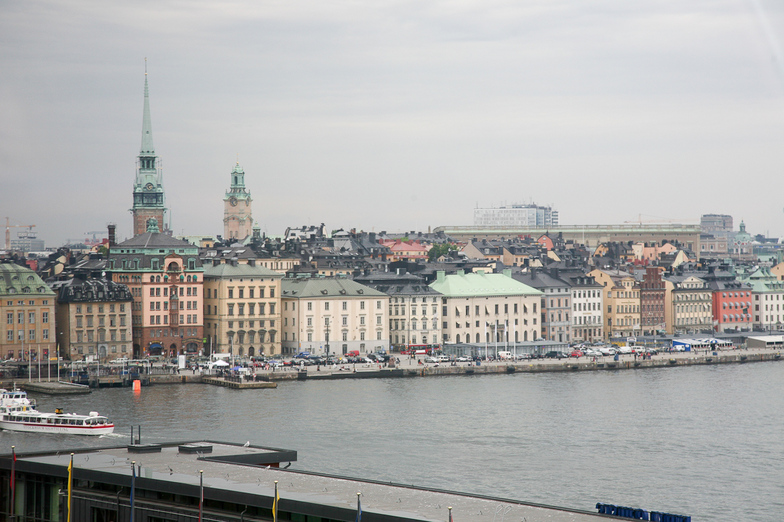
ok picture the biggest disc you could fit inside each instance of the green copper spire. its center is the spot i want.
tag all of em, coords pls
(147, 146)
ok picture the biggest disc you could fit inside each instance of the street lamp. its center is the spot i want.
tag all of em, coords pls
(326, 340)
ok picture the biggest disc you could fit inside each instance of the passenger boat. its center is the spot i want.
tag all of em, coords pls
(18, 413)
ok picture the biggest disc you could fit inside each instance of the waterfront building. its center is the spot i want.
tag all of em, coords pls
(242, 308)
(652, 303)
(237, 215)
(767, 297)
(27, 307)
(688, 304)
(414, 308)
(210, 481)
(516, 215)
(730, 300)
(164, 275)
(555, 303)
(587, 324)
(621, 303)
(482, 307)
(148, 194)
(333, 315)
(93, 318)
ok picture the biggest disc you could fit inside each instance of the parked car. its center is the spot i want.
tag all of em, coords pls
(431, 359)
(462, 358)
(555, 355)
(576, 353)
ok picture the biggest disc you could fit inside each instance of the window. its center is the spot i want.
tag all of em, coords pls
(9, 318)
(310, 306)
(362, 305)
(231, 293)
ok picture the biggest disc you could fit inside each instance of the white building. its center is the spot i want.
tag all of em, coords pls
(516, 216)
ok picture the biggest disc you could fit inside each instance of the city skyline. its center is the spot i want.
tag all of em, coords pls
(418, 114)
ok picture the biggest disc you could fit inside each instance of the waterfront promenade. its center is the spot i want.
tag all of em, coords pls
(416, 367)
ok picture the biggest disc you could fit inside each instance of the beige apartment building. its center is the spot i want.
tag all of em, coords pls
(621, 302)
(333, 315)
(242, 309)
(481, 307)
(688, 305)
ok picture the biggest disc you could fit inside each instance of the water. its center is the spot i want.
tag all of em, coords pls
(704, 441)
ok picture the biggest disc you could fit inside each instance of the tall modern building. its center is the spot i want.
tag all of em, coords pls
(237, 219)
(516, 216)
(148, 195)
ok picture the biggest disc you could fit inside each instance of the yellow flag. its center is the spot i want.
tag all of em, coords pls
(70, 477)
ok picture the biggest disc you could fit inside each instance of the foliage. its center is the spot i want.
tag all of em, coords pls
(439, 250)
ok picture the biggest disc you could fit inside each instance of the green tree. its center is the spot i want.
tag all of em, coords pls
(439, 250)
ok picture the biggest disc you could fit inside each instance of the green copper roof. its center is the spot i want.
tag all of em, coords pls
(19, 281)
(480, 284)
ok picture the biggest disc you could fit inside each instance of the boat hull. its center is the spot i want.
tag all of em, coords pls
(32, 427)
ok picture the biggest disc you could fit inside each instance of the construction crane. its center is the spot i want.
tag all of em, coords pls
(9, 226)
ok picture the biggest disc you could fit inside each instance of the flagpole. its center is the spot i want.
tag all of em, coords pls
(275, 504)
(70, 485)
(359, 508)
(450, 513)
(133, 487)
(13, 482)
(201, 492)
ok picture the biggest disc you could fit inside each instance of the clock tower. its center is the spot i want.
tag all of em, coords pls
(237, 220)
(148, 195)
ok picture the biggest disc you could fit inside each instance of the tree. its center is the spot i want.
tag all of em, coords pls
(439, 250)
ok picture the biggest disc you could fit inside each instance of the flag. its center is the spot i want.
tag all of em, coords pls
(275, 501)
(70, 480)
(359, 508)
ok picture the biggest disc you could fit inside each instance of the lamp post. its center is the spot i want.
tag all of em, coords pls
(326, 339)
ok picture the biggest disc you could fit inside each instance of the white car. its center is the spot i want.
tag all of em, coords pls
(606, 350)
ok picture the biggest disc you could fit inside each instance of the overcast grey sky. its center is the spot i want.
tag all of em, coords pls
(393, 115)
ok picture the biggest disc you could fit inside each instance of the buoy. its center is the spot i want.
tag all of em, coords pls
(137, 385)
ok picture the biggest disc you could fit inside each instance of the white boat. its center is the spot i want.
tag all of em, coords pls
(18, 413)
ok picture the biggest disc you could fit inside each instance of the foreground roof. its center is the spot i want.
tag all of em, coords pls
(480, 284)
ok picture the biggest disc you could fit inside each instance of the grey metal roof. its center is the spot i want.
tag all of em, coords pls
(239, 270)
(326, 287)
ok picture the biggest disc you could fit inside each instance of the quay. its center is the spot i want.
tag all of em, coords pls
(410, 367)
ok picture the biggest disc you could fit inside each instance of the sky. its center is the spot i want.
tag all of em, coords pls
(393, 115)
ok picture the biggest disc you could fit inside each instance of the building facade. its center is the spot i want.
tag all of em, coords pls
(768, 299)
(587, 302)
(621, 303)
(652, 302)
(27, 307)
(556, 303)
(688, 305)
(414, 308)
(237, 215)
(242, 312)
(93, 318)
(165, 277)
(333, 316)
(516, 216)
(148, 194)
(483, 308)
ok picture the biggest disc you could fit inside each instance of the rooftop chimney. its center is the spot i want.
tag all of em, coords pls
(112, 236)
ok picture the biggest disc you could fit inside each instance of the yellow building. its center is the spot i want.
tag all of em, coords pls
(242, 309)
(27, 311)
(621, 302)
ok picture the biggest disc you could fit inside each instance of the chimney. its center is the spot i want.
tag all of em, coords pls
(251, 262)
(508, 272)
(440, 276)
(112, 236)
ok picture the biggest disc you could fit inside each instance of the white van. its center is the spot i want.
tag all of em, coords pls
(504, 355)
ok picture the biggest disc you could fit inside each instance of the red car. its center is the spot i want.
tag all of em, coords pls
(576, 353)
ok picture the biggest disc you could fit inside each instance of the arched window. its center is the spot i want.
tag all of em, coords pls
(457, 338)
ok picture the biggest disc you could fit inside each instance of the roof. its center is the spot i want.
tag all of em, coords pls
(19, 280)
(239, 270)
(154, 240)
(326, 287)
(480, 284)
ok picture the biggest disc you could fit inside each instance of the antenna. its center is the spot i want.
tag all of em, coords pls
(145, 66)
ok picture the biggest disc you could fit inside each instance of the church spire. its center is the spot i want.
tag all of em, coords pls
(147, 146)
(148, 194)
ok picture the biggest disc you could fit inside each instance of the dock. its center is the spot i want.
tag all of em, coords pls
(55, 388)
(239, 385)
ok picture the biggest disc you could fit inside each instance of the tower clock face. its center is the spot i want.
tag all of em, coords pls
(233, 201)
(149, 186)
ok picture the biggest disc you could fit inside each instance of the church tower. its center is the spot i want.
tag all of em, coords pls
(148, 196)
(237, 220)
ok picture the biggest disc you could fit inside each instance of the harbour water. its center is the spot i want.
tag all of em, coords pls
(704, 441)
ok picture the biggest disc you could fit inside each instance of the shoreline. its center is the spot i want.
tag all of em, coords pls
(412, 368)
